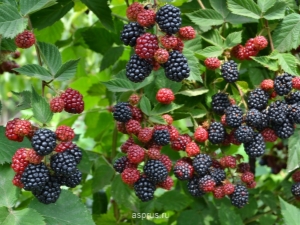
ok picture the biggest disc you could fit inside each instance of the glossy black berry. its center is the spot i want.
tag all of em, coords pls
(161, 137)
(43, 141)
(63, 164)
(229, 71)
(176, 68)
(256, 147)
(122, 112)
(239, 197)
(258, 99)
(168, 19)
(254, 118)
(244, 134)
(264, 121)
(76, 152)
(216, 133)
(73, 180)
(201, 163)
(144, 189)
(138, 69)
(294, 113)
(131, 32)
(277, 112)
(220, 102)
(284, 130)
(193, 187)
(293, 98)
(50, 192)
(295, 189)
(217, 174)
(183, 170)
(156, 171)
(234, 116)
(120, 164)
(283, 84)
(35, 177)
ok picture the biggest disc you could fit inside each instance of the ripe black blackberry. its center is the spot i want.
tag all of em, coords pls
(283, 84)
(50, 192)
(183, 170)
(43, 141)
(121, 163)
(216, 133)
(229, 71)
(73, 180)
(295, 189)
(234, 116)
(258, 99)
(144, 189)
(254, 118)
(122, 112)
(156, 171)
(220, 102)
(201, 163)
(161, 137)
(138, 69)
(131, 32)
(239, 197)
(264, 121)
(244, 134)
(294, 113)
(193, 187)
(176, 68)
(284, 130)
(293, 98)
(76, 152)
(35, 177)
(217, 174)
(277, 112)
(168, 19)
(63, 164)
(256, 147)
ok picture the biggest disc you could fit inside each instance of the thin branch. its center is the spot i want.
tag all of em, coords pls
(201, 4)
(127, 3)
(252, 164)
(279, 186)
(242, 96)
(269, 35)
(254, 218)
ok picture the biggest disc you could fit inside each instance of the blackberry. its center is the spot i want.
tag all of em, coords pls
(217, 174)
(294, 113)
(216, 133)
(244, 134)
(168, 19)
(144, 189)
(183, 170)
(229, 71)
(156, 171)
(283, 84)
(264, 120)
(43, 141)
(176, 68)
(207, 183)
(63, 164)
(76, 152)
(234, 116)
(122, 112)
(131, 32)
(256, 147)
(258, 99)
(254, 118)
(35, 177)
(239, 197)
(284, 130)
(293, 98)
(295, 189)
(50, 192)
(220, 102)
(161, 137)
(193, 187)
(72, 180)
(201, 163)
(121, 163)
(138, 69)
(277, 112)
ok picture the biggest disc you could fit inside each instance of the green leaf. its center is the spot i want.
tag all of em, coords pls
(193, 216)
(9, 192)
(145, 105)
(33, 70)
(220, 7)
(228, 217)
(213, 37)
(118, 85)
(291, 214)
(243, 85)
(294, 151)
(286, 35)
(25, 99)
(205, 17)
(288, 62)
(51, 56)
(244, 8)
(46, 17)
(211, 51)
(161, 108)
(193, 65)
(157, 119)
(264, 5)
(179, 201)
(67, 71)
(102, 11)
(8, 148)
(276, 12)
(20, 217)
(102, 175)
(267, 62)
(148, 80)
(28, 7)
(8, 45)
(198, 113)
(233, 39)
(194, 92)
(41, 108)
(56, 213)
(11, 22)
(50, 34)
(111, 57)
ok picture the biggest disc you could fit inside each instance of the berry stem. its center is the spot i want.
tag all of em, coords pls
(254, 218)
(242, 96)
(127, 3)
(201, 4)
(269, 35)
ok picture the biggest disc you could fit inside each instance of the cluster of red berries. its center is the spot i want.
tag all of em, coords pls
(25, 39)
(50, 163)
(152, 51)
(8, 64)
(70, 100)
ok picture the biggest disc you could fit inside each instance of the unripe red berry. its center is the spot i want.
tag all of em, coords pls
(165, 96)
(187, 33)
(212, 63)
(133, 10)
(161, 55)
(57, 104)
(25, 39)
(260, 42)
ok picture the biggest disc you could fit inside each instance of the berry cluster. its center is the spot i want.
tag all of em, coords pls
(152, 51)
(70, 100)
(8, 62)
(295, 189)
(32, 172)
